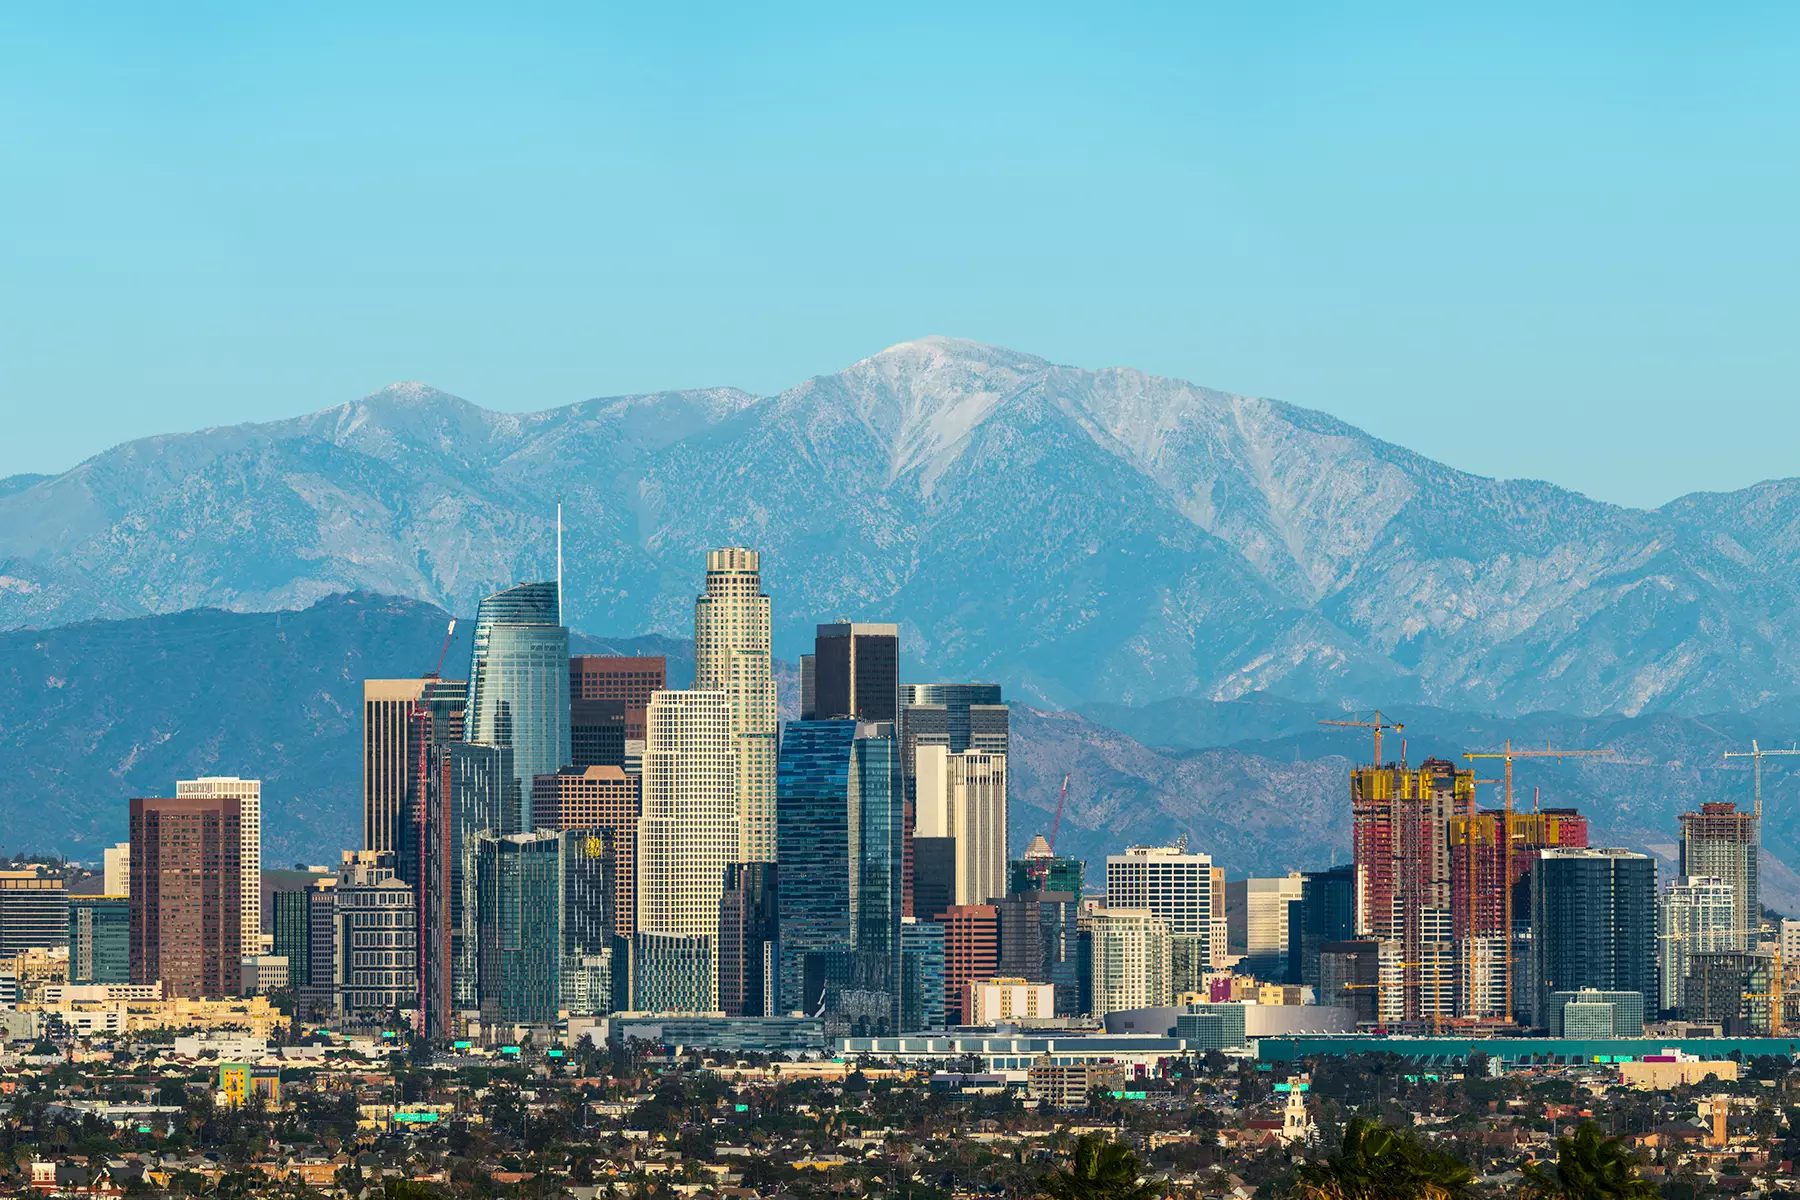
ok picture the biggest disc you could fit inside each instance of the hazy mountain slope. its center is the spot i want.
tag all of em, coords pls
(1080, 535)
(124, 708)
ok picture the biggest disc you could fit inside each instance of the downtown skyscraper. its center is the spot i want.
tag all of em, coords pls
(731, 655)
(518, 692)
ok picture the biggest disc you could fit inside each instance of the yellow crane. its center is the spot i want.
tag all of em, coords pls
(1508, 754)
(1378, 724)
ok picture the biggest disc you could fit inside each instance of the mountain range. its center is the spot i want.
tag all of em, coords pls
(1083, 536)
(126, 707)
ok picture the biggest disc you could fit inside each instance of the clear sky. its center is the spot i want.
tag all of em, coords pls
(1557, 242)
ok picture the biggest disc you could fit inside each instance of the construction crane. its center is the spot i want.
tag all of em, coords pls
(1057, 824)
(1378, 724)
(1756, 754)
(437, 672)
(1506, 837)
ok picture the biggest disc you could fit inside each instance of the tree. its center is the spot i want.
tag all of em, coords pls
(1376, 1162)
(1098, 1170)
(1588, 1167)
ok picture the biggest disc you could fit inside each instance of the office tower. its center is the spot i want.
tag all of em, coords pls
(597, 798)
(1218, 926)
(1040, 942)
(248, 793)
(957, 716)
(376, 942)
(317, 997)
(546, 925)
(838, 806)
(480, 795)
(808, 706)
(1722, 842)
(608, 696)
(1593, 923)
(1479, 894)
(186, 903)
(1176, 886)
(518, 693)
(749, 918)
(117, 873)
(34, 912)
(963, 796)
(687, 836)
(1400, 836)
(731, 655)
(1133, 958)
(1350, 977)
(971, 951)
(387, 764)
(933, 875)
(293, 935)
(856, 672)
(1732, 989)
(1261, 909)
(1325, 912)
(1040, 870)
(434, 727)
(99, 939)
(1696, 915)
(921, 975)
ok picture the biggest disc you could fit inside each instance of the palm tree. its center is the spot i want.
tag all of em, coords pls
(1588, 1167)
(1098, 1170)
(1376, 1162)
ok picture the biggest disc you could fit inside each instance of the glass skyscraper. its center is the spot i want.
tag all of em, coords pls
(482, 798)
(1593, 924)
(519, 684)
(99, 939)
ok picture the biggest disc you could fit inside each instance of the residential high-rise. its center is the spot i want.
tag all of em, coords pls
(1176, 886)
(375, 942)
(731, 655)
(963, 796)
(387, 762)
(1593, 923)
(1722, 842)
(749, 921)
(1696, 915)
(116, 861)
(1133, 959)
(518, 692)
(921, 975)
(1040, 870)
(293, 935)
(99, 939)
(688, 835)
(856, 672)
(1400, 835)
(597, 798)
(546, 925)
(838, 805)
(186, 906)
(34, 911)
(971, 951)
(1325, 912)
(248, 793)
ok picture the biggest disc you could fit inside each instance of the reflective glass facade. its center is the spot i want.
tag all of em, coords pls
(99, 939)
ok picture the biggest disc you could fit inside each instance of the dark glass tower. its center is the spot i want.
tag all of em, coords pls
(293, 935)
(1593, 924)
(1325, 912)
(749, 916)
(856, 672)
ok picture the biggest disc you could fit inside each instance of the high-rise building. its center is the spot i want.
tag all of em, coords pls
(1325, 912)
(1133, 959)
(1400, 836)
(856, 672)
(1697, 914)
(479, 795)
(99, 939)
(839, 812)
(731, 655)
(958, 716)
(1218, 925)
(546, 925)
(248, 793)
(293, 934)
(1176, 886)
(518, 692)
(921, 975)
(971, 951)
(34, 911)
(1721, 842)
(808, 706)
(1350, 976)
(1593, 923)
(688, 835)
(1730, 989)
(963, 796)
(186, 906)
(388, 764)
(598, 798)
(317, 998)
(1040, 870)
(375, 942)
(1481, 892)
(1040, 941)
(116, 861)
(434, 728)
(1260, 907)
(749, 920)
(608, 696)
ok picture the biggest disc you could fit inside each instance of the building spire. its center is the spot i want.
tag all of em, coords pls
(559, 604)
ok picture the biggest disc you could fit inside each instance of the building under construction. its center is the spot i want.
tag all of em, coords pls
(1401, 839)
(1479, 886)
(1721, 841)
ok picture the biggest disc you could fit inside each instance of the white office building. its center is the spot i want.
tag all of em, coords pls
(731, 655)
(249, 795)
(963, 796)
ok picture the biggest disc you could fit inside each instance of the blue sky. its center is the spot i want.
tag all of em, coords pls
(1532, 242)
